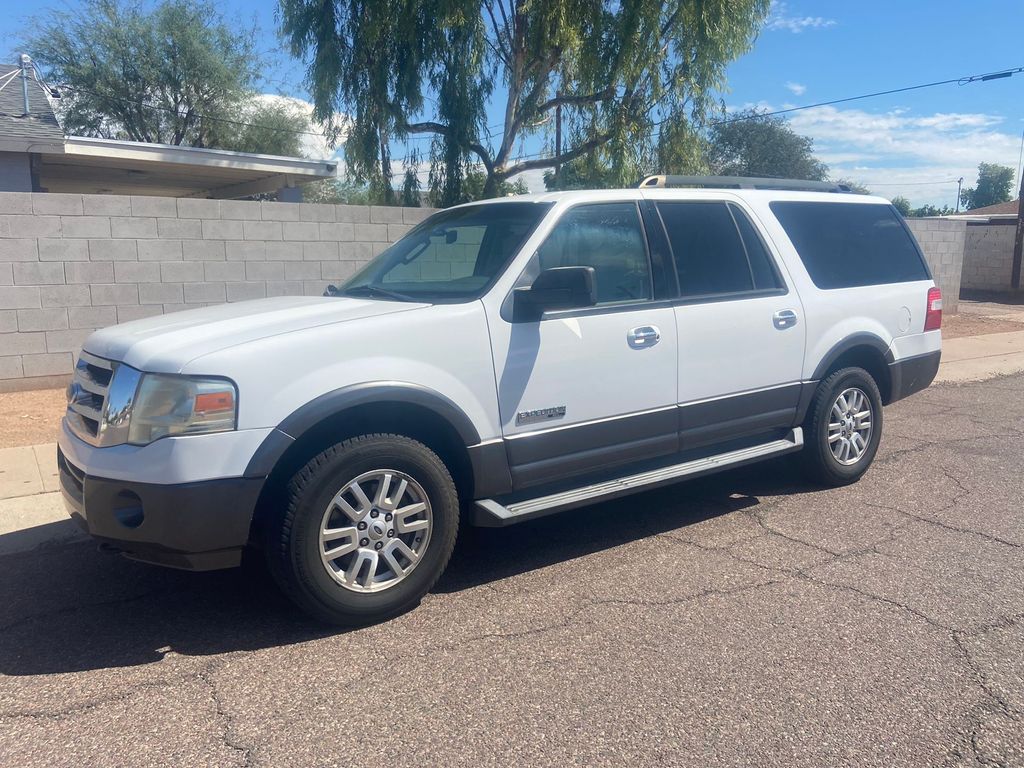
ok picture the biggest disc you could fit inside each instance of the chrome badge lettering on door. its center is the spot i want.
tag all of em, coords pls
(541, 414)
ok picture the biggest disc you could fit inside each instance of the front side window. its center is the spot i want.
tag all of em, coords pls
(454, 255)
(609, 238)
(846, 245)
(716, 249)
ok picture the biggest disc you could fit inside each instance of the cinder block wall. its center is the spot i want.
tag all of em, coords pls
(942, 241)
(72, 263)
(988, 256)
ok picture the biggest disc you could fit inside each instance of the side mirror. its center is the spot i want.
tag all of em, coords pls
(554, 289)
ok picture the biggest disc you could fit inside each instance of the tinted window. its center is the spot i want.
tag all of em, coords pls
(850, 244)
(607, 237)
(710, 257)
(765, 276)
(454, 254)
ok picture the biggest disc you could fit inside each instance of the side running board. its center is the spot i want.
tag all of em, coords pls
(494, 514)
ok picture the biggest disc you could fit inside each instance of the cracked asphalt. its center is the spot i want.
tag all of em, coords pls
(745, 619)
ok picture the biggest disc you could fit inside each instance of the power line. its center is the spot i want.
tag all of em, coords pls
(958, 80)
(910, 183)
(173, 111)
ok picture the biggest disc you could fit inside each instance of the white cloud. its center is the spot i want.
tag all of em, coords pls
(893, 152)
(781, 19)
(314, 143)
(796, 88)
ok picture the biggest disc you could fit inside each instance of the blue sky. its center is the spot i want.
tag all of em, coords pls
(910, 143)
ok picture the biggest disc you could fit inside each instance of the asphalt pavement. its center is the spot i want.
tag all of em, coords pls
(745, 619)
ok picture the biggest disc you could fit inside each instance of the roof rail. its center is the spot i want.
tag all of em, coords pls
(740, 182)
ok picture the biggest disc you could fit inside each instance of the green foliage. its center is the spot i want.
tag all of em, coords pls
(930, 210)
(199, 71)
(588, 172)
(750, 144)
(399, 68)
(473, 186)
(995, 185)
(901, 204)
(338, 192)
(267, 127)
(854, 186)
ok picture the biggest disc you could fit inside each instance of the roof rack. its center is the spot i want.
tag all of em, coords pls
(740, 182)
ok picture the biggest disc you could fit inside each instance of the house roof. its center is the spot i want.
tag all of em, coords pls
(81, 164)
(111, 166)
(994, 210)
(37, 131)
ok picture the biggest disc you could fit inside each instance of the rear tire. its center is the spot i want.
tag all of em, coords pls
(843, 428)
(367, 529)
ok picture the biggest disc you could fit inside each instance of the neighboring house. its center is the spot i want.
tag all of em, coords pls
(988, 248)
(1007, 210)
(36, 156)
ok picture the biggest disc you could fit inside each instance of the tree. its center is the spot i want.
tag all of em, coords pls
(176, 74)
(751, 144)
(930, 210)
(854, 186)
(994, 185)
(902, 205)
(402, 68)
(266, 127)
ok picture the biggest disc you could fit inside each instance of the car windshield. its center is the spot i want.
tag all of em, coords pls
(454, 255)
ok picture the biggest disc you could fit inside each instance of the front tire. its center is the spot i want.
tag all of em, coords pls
(368, 527)
(843, 428)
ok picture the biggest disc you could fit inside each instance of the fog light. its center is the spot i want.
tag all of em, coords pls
(128, 511)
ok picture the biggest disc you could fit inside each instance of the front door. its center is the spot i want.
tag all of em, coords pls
(586, 390)
(739, 322)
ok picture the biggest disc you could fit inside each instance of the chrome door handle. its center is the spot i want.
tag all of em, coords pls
(643, 337)
(784, 318)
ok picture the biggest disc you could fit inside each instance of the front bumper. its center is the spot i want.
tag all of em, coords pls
(197, 526)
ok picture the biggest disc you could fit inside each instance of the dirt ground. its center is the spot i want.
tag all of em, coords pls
(30, 418)
(965, 324)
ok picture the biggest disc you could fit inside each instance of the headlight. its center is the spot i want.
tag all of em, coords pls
(180, 405)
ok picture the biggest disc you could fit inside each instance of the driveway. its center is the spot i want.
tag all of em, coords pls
(746, 619)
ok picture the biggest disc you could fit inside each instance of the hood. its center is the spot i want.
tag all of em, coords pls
(166, 343)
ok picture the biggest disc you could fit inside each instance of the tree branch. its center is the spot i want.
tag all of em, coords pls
(589, 98)
(499, 47)
(429, 126)
(550, 162)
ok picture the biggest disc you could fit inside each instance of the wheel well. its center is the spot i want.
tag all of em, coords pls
(872, 361)
(407, 419)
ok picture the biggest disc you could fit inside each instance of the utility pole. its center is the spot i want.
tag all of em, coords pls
(1018, 242)
(558, 141)
(25, 60)
(959, 186)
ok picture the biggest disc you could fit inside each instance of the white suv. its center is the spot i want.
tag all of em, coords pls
(504, 360)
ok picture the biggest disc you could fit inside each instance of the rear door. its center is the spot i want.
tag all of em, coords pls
(739, 322)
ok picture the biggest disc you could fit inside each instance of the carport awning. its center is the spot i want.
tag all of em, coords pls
(107, 166)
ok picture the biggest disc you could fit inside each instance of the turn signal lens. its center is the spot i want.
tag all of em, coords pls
(208, 403)
(933, 311)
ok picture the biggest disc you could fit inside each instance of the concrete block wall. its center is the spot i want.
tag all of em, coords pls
(942, 241)
(988, 256)
(72, 263)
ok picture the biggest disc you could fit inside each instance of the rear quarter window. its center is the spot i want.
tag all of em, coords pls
(846, 245)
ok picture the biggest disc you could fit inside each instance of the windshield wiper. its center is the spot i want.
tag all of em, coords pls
(375, 290)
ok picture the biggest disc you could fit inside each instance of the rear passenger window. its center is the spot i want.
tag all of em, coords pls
(716, 249)
(765, 276)
(844, 245)
(607, 237)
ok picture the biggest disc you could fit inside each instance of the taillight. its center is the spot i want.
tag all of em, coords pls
(933, 312)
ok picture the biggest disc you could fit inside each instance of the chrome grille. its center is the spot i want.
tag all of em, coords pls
(87, 396)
